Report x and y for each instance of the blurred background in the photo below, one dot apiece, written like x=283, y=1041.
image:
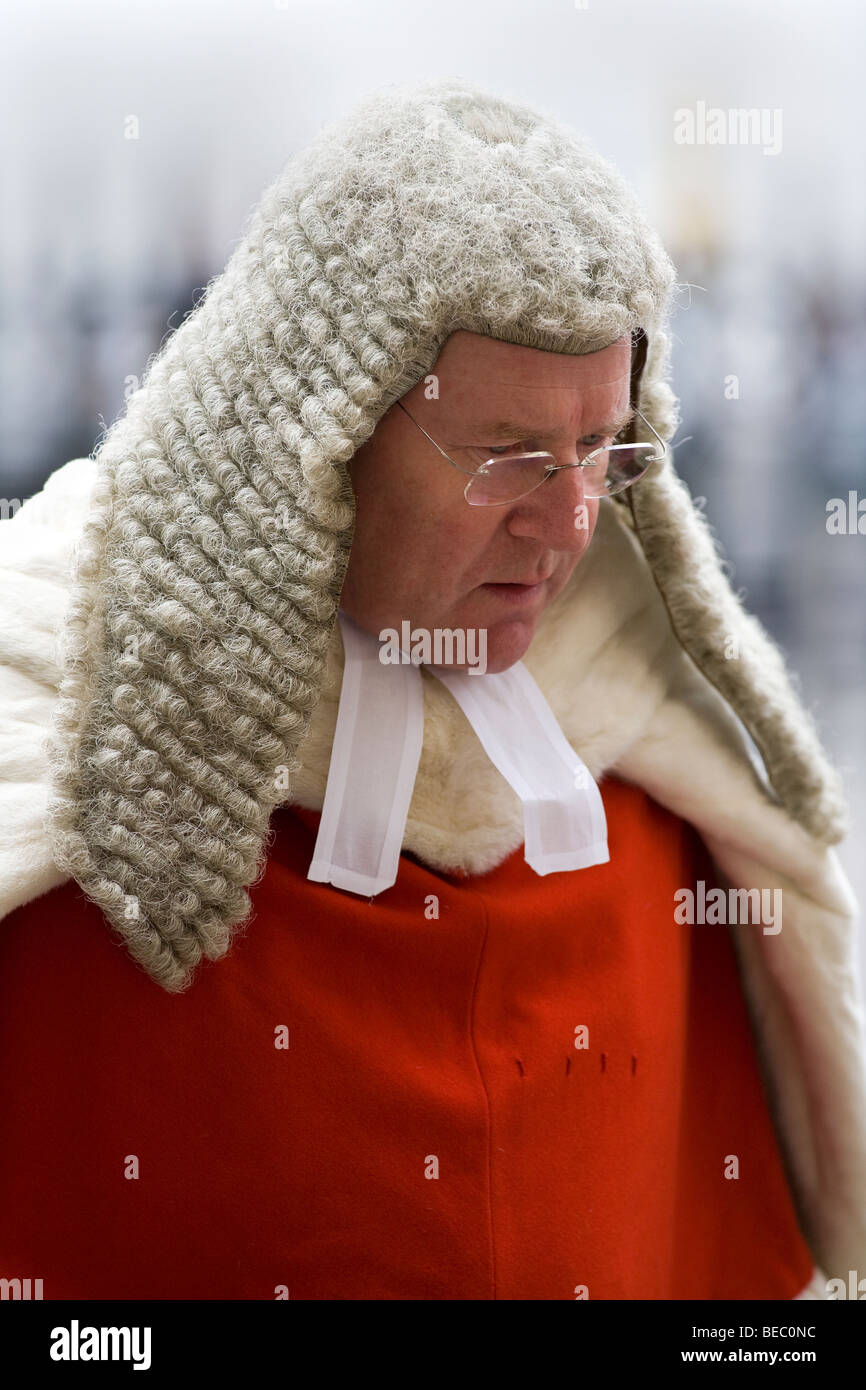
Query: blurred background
x=136, y=137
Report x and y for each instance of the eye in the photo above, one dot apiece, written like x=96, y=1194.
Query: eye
x=527, y=446
x=482, y=452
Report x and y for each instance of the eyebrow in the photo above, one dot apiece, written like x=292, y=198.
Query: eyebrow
x=516, y=429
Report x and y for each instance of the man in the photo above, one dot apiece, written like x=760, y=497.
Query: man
x=393, y=624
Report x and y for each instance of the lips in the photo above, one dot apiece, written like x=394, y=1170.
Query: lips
x=527, y=583
x=514, y=593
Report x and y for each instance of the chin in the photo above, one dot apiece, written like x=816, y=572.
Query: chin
x=508, y=643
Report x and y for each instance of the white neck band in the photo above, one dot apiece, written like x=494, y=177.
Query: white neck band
x=377, y=748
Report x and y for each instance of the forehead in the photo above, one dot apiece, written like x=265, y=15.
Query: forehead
x=475, y=373
x=464, y=351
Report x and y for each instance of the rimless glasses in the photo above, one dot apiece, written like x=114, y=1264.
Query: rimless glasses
x=504, y=475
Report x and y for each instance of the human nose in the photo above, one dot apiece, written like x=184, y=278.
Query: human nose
x=557, y=512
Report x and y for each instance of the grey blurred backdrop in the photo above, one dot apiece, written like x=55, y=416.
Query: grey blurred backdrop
x=106, y=241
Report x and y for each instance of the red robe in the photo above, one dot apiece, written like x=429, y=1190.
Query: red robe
x=431, y=1131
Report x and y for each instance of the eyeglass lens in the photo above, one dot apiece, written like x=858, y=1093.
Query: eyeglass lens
x=506, y=479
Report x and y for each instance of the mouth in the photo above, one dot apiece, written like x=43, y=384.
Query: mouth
x=515, y=593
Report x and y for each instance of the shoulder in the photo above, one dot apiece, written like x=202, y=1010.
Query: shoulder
x=37, y=553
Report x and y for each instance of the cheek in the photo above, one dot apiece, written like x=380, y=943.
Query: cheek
x=415, y=553
x=449, y=560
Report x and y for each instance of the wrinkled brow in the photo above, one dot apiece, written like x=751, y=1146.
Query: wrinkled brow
x=517, y=429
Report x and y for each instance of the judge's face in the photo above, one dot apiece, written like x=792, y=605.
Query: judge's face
x=420, y=553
